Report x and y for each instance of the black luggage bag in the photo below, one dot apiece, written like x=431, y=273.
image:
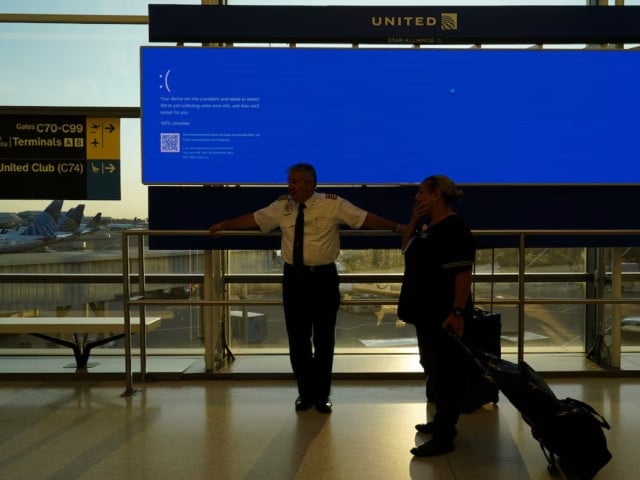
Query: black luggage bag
x=570, y=432
x=481, y=333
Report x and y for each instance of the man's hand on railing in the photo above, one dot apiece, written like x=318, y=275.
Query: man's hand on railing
x=215, y=228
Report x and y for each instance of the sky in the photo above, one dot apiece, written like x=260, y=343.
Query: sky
x=98, y=65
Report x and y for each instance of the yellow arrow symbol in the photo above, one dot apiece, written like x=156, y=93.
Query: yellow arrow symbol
x=111, y=168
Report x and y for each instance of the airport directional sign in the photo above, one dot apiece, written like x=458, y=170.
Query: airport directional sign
x=59, y=156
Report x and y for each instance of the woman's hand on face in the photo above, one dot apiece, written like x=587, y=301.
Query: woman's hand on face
x=420, y=208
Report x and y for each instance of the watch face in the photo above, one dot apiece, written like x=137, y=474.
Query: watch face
x=458, y=311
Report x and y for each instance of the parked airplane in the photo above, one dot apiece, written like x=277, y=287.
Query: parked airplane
x=35, y=235
x=49, y=227
x=136, y=223
x=10, y=220
x=92, y=225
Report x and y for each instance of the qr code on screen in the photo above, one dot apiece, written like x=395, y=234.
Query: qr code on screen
x=170, y=142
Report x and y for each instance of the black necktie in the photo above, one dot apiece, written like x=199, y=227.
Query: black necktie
x=298, y=237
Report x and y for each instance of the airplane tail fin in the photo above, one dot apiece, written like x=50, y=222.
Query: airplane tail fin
x=54, y=209
x=95, y=221
x=44, y=225
x=70, y=222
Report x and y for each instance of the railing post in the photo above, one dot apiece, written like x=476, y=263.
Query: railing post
x=213, y=290
x=207, y=312
x=126, y=296
x=616, y=308
x=521, y=304
x=141, y=313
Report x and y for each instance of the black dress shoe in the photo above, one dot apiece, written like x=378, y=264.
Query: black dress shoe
x=435, y=446
x=426, y=427
x=430, y=428
x=303, y=404
x=324, y=406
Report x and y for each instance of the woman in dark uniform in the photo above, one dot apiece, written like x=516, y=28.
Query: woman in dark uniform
x=436, y=298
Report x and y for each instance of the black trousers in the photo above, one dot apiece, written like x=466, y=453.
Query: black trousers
x=311, y=298
x=442, y=360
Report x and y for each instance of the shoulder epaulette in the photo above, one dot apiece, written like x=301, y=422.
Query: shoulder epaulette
x=332, y=196
x=283, y=197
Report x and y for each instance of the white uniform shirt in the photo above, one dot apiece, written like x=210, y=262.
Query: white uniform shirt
x=323, y=215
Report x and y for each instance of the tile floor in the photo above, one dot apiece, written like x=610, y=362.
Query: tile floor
x=247, y=429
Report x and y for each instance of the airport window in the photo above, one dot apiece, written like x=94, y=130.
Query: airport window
x=93, y=65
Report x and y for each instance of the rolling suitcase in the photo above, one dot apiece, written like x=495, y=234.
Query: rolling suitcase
x=482, y=332
x=569, y=431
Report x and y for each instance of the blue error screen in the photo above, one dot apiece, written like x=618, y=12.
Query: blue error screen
x=389, y=115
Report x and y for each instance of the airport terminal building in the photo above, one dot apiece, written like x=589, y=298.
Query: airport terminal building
x=133, y=344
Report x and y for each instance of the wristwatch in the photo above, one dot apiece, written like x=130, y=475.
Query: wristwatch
x=458, y=312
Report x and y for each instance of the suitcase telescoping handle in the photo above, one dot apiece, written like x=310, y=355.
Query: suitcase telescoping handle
x=467, y=351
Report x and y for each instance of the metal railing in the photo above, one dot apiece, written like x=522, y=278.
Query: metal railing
x=210, y=279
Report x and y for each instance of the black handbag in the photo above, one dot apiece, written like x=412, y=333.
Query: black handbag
x=574, y=439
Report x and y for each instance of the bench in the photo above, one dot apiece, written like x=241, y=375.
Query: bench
x=45, y=327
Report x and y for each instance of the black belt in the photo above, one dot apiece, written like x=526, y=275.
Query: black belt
x=311, y=268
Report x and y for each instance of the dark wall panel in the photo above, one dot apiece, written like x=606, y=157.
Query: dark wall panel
x=484, y=208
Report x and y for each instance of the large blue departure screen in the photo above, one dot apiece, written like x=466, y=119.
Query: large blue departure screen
x=390, y=116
